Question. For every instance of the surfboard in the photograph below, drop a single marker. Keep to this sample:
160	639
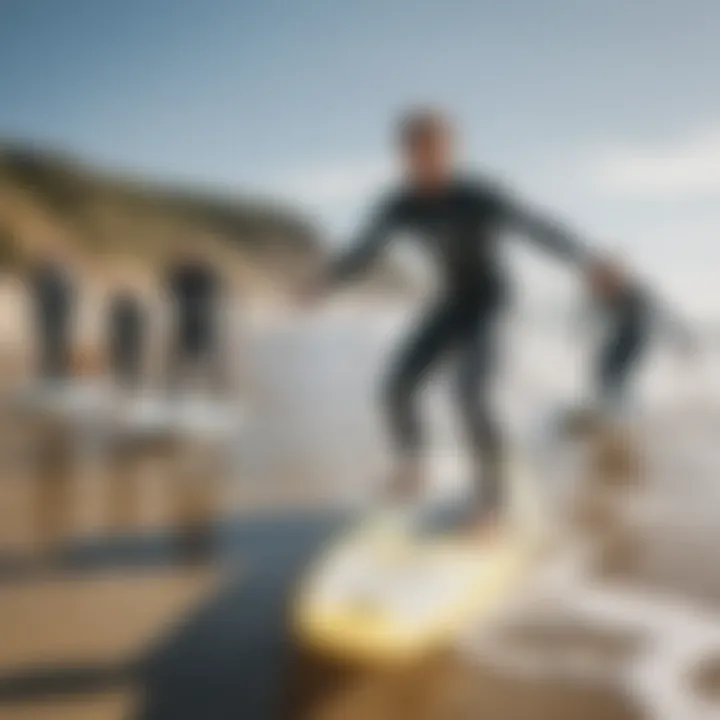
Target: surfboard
153	415
209	417
70	400
144	415
383	594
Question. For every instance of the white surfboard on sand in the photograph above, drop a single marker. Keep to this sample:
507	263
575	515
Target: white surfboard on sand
384	594
142	414
179	416
70	399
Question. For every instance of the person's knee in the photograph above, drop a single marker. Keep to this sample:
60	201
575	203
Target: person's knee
619	359
396	396
482	426
398	402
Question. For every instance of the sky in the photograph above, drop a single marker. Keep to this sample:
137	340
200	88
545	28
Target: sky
605	111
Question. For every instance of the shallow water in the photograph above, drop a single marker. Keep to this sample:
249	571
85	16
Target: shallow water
622	621
630	601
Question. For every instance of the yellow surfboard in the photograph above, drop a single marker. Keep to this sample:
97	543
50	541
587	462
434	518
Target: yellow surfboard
386	596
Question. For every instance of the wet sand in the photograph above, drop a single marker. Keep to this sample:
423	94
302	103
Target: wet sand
445	687
178	567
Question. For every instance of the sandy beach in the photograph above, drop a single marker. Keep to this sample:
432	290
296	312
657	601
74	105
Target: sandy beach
622	622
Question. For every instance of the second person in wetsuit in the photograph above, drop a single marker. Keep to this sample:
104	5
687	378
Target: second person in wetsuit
54	302
630	320
127	323
460	223
195	290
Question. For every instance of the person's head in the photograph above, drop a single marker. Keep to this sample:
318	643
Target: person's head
426	140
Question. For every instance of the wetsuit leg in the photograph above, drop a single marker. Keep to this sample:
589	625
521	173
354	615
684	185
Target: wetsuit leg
179	366
196	346
621	353
435	335
54	327
477	356
130	360
118	359
127	341
219	380
212	366
186	349
178	359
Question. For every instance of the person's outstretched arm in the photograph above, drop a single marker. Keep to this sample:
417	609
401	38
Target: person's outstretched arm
671	324
604	276
361	253
548	234
365	248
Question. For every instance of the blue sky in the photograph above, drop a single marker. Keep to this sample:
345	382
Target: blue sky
605	109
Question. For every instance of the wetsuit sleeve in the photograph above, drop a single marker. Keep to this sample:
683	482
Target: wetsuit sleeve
668	323
545	232
367	246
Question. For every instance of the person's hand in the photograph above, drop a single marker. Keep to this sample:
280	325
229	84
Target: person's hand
606	278
311	290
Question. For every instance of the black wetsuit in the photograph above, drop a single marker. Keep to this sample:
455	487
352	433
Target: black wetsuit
54	296
461	229
633	318
629	316
195	290
127	334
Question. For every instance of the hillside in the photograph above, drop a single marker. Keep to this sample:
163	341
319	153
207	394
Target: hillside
48	197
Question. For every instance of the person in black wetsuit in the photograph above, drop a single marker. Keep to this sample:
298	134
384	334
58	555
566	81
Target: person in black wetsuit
630	318
53	294
195	290
127	334
460	222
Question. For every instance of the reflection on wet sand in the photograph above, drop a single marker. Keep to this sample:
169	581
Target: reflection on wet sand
94	706
55	496
103	618
448	687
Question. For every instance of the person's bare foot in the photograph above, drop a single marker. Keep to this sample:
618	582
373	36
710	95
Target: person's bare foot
406	481
581	422
485	527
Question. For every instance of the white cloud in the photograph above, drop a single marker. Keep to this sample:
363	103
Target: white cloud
684	167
